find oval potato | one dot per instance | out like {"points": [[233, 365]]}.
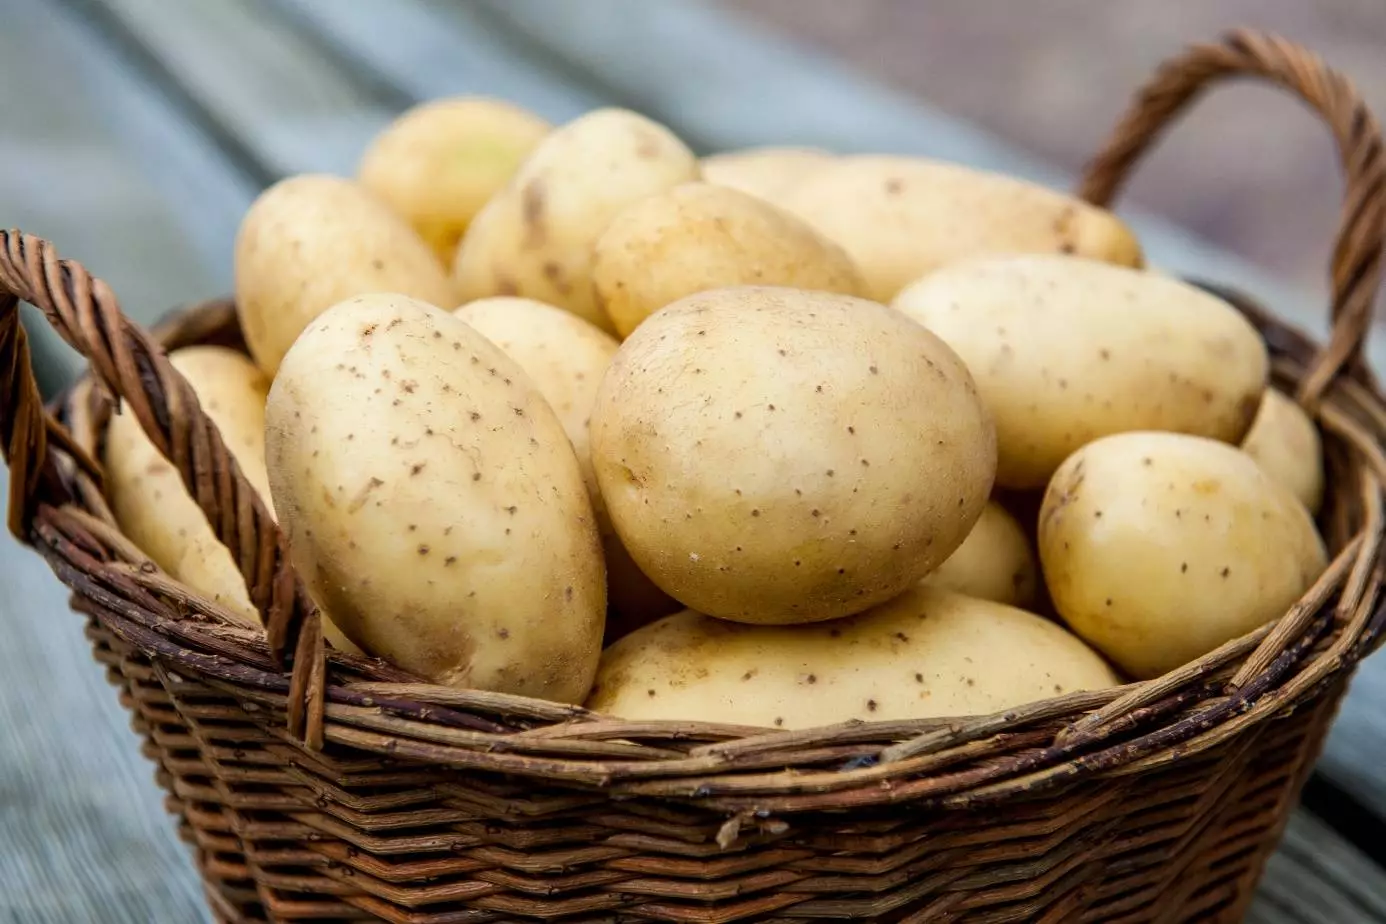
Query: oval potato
{"points": [[1159, 547], [773, 455], [995, 562], [433, 503], [902, 217], [1066, 350], [697, 236], [927, 653], [764, 172], [310, 241], [535, 237], [1285, 442]]}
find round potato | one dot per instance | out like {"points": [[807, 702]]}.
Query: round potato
{"points": [[697, 236], [535, 237], [927, 653], [903, 217], [442, 160], [1066, 349], [995, 562], [765, 172], [771, 455], [1159, 547], [310, 241], [1285, 442], [433, 503]]}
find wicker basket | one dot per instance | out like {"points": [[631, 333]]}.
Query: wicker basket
{"points": [[314, 785]]}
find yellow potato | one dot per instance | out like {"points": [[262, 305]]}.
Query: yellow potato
{"points": [[310, 241], [903, 217], [697, 236], [433, 503], [1065, 350], [773, 455], [1285, 442], [927, 653], [535, 237], [995, 562], [1159, 547], [440, 161], [765, 172]]}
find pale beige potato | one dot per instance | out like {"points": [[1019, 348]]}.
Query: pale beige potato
{"points": [[765, 172], [1159, 547], [995, 562], [927, 653], [1066, 349], [696, 237], [773, 455], [433, 503], [440, 161], [535, 237], [1285, 442], [312, 240], [903, 217]]}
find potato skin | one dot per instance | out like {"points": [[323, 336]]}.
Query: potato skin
{"points": [[697, 236], [774, 455], [440, 161], [1065, 350], [995, 562], [902, 217], [535, 237], [927, 653], [1159, 547], [310, 241], [1285, 442], [433, 503], [764, 172]]}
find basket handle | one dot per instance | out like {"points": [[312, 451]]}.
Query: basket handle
{"points": [[1356, 266], [84, 312]]}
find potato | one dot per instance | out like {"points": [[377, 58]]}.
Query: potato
{"points": [[433, 503], [1065, 350], [772, 455], [924, 654], [566, 358], [440, 161], [994, 562], [310, 241], [1159, 547], [696, 237], [765, 172], [903, 217], [535, 237], [1285, 442]]}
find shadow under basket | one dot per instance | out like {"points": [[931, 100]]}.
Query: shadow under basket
{"points": [[313, 785]]}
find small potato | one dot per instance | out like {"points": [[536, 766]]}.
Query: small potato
{"points": [[535, 237], [433, 503], [1159, 547], [310, 241], [1285, 442], [696, 237], [995, 562], [927, 653], [765, 172], [440, 161], [1065, 350], [771, 455], [903, 217]]}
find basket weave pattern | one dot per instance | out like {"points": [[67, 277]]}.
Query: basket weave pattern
{"points": [[318, 786]]}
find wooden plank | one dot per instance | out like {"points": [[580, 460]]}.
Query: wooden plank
{"points": [[1318, 878]]}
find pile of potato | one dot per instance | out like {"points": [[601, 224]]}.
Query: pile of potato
{"points": [[774, 437]]}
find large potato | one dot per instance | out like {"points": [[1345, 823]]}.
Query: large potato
{"points": [[697, 236], [440, 161], [1066, 349], [772, 455], [310, 241], [1285, 442], [433, 503], [765, 172], [535, 237], [902, 217], [927, 653], [995, 562], [1159, 547]]}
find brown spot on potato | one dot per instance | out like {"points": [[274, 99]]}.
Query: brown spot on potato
{"points": [[894, 186], [423, 550], [871, 705], [532, 204], [416, 468]]}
